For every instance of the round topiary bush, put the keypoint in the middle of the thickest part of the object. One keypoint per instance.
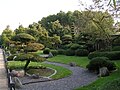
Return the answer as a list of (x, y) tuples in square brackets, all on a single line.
[(81, 52), (46, 51), (96, 63), (75, 46), (70, 52), (111, 85)]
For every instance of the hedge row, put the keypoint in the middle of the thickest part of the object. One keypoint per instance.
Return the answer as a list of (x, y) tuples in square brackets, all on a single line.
[(112, 55)]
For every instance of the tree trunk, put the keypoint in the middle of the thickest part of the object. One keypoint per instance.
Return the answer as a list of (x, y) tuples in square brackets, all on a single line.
[(26, 65)]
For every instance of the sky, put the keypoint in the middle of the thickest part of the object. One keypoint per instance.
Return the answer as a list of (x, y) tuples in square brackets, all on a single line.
[(25, 12)]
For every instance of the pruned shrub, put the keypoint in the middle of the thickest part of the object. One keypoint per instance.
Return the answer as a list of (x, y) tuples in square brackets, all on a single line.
[(70, 52), (37, 67), (46, 51), (75, 46), (111, 85), (113, 55), (23, 57), (54, 52), (61, 51), (96, 63), (32, 57), (81, 52), (33, 47)]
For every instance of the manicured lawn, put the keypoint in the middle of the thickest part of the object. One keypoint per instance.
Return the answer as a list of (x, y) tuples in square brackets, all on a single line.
[(61, 72), (80, 61), (101, 81)]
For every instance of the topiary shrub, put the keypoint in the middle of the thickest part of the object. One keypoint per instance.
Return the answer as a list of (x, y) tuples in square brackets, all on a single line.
[(75, 46), (54, 52), (33, 47), (46, 51), (70, 52), (23, 57), (61, 51), (99, 62), (81, 52), (113, 55), (111, 85)]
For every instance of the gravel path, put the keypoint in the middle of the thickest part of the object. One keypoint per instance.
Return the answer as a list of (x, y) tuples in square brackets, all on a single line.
[(80, 77)]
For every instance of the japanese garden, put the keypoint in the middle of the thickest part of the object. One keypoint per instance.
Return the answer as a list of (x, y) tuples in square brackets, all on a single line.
[(74, 50)]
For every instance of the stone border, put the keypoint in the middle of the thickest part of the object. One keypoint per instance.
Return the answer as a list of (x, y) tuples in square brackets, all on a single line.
[(55, 71)]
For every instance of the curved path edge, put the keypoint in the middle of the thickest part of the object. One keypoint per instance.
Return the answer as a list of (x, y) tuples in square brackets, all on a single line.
[(79, 78)]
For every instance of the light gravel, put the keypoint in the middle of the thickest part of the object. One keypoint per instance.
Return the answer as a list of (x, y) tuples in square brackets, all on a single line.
[(80, 77)]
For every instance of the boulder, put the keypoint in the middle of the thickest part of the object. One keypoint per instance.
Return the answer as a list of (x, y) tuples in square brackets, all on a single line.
[(17, 82), (13, 73), (72, 64), (103, 72), (21, 73), (35, 76), (50, 55)]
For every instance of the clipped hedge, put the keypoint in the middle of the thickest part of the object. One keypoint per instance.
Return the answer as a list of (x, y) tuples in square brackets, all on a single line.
[(70, 52), (46, 51), (112, 55), (61, 52), (99, 62), (75, 46), (54, 52), (111, 85), (81, 52)]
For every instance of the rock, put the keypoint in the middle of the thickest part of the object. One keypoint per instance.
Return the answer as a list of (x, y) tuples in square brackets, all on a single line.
[(72, 64), (17, 82), (35, 76), (21, 73), (103, 72), (13, 73), (50, 55)]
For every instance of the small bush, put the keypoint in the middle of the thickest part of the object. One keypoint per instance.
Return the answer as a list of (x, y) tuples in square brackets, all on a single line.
[(37, 67), (46, 51), (81, 52), (116, 48), (61, 51), (23, 57), (75, 46), (111, 85), (54, 52), (113, 55), (99, 62), (70, 52)]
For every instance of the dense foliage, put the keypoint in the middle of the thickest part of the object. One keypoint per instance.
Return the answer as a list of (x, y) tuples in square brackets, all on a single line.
[(96, 63), (112, 55)]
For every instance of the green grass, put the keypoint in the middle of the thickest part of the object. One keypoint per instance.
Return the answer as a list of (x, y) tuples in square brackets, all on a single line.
[(103, 80), (80, 61), (61, 72)]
